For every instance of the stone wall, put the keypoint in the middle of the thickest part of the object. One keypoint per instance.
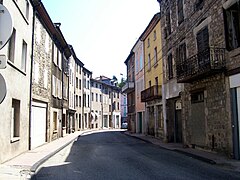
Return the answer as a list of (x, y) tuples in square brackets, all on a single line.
[(217, 111)]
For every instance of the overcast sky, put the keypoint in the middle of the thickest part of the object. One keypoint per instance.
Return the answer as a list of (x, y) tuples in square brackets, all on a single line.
[(102, 32)]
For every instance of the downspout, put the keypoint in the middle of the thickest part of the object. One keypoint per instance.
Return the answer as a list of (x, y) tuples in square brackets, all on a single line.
[(61, 128), (31, 71)]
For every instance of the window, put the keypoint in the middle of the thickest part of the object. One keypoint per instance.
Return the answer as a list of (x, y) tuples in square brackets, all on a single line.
[(156, 81), (136, 66), (96, 85), (76, 82), (57, 53), (11, 46), (170, 67), (88, 101), (181, 59), (181, 53), (154, 35), (79, 121), (84, 100), (155, 55), (15, 120), (77, 100), (54, 86), (199, 4), (149, 61), (80, 101), (55, 121), (27, 10), (100, 98), (96, 97), (84, 83), (180, 11), (202, 39), (92, 97), (141, 61), (232, 26), (54, 52), (197, 97), (24, 56), (88, 84), (148, 41), (149, 83), (168, 24), (118, 106)]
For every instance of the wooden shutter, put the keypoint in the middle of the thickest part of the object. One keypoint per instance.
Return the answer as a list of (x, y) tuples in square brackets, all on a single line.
[(202, 39)]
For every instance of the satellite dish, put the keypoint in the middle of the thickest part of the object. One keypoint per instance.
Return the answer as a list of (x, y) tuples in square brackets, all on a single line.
[(6, 26), (3, 89)]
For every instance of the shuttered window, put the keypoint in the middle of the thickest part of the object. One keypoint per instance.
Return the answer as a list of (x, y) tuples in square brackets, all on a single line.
[(202, 39), (170, 66), (180, 11), (232, 26)]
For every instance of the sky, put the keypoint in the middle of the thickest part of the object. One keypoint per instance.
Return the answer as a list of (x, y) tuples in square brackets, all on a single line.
[(102, 32)]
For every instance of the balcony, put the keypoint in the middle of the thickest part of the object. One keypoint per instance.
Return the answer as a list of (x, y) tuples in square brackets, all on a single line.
[(128, 87), (154, 92), (206, 63)]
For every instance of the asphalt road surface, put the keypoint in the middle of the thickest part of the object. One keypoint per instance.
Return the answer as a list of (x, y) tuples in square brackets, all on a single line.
[(114, 155)]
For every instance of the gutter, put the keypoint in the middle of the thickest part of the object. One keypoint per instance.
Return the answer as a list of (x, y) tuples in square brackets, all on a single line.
[(31, 71)]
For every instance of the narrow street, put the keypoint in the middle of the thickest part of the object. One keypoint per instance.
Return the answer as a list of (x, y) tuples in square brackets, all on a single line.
[(113, 155)]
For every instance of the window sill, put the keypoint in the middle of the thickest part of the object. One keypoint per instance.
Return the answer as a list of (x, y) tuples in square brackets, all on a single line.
[(15, 139)]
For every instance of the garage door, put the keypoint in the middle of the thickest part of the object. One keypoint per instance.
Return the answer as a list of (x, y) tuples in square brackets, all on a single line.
[(38, 124)]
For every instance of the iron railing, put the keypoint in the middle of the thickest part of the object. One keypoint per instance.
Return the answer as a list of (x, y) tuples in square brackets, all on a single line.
[(154, 92), (210, 61)]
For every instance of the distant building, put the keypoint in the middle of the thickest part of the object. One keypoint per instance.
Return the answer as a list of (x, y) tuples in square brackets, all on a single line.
[(129, 89), (123, 107), (153, 77), (138, 49), (86, 98)]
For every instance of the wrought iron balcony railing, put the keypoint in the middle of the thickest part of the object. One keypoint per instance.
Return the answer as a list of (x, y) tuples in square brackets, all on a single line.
[(208, 62), (154, 92), (128, 87)]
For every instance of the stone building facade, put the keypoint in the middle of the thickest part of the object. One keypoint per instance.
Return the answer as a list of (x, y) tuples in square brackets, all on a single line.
[(41, 82), (196, 32)]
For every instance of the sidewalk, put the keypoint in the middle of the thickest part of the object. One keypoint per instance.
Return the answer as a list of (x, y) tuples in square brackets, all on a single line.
[(208, 157), (25, 165)]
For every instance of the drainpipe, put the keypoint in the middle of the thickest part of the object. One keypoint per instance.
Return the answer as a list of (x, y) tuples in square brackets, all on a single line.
[(164, 112), (31, 71)]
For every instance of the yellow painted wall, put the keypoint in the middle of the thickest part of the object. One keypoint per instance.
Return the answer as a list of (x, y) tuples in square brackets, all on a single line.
[(156, 69)]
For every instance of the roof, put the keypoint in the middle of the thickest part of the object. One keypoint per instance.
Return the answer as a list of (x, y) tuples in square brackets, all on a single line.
[(80, 63), (52, 28), (129, 56), (156, 18)]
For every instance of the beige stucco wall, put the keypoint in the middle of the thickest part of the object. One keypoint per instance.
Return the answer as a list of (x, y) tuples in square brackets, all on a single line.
[(18, 86)]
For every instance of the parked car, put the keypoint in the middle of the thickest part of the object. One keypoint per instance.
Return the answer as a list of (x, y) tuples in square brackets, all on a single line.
[(124, 125)]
